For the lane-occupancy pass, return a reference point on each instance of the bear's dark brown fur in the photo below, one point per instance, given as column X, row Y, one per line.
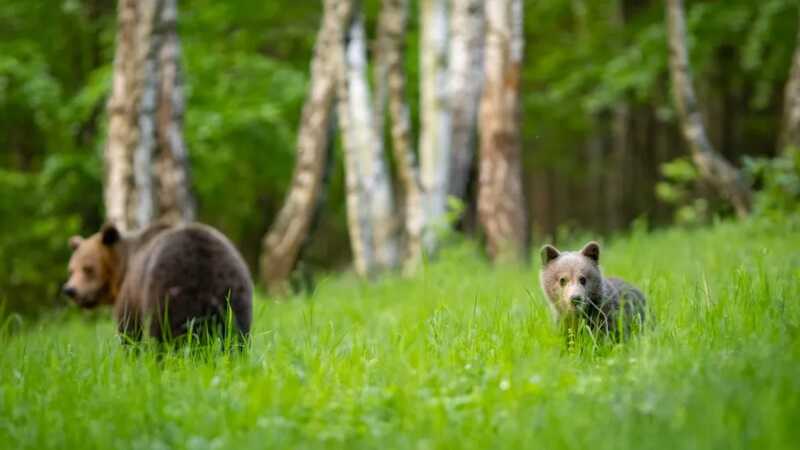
column 164, row 279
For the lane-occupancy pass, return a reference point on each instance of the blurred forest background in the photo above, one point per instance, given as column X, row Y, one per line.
column 600, row 136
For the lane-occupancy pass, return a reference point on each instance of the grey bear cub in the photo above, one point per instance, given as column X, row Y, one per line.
column 577, row 291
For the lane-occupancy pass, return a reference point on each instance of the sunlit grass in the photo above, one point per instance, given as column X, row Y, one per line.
column 463, row 356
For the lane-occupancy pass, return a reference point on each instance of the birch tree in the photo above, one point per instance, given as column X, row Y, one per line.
column 175, row 200
column 713, row 168
column 145, row 119
column 435, row 132
column 128, row 193
column 466, row 79
column 391, row 82
column 370, row 200
column 790, row 130
column 501, row 206
column 282, row 244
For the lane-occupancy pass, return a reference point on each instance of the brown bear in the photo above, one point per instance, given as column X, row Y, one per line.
column 578, row 291
column 166, row 278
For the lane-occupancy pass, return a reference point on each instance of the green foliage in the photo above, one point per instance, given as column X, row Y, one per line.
column 779, row 178
column 36, row 225
column 465, row 356
column 679, row 187
column 242, row 115
column 585, row 57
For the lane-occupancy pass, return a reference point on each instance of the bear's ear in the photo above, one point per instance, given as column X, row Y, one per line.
column 592, row 251
column 110, row 235
column 75, row 242
column 549, row 253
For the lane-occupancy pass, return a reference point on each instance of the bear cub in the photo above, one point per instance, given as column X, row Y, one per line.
column 166, row 279
column 577, row 291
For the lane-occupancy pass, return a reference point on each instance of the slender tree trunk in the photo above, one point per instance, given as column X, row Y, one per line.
column 466, row 70
column 282, row 244
column 175, row 200
column 589, row 199
column 615, row 177
column 501, row 206
column 713, row 168
column 370, row 200
column 790, row 131
column 392, row 26
column 435, row 133
column 383, row 217
column 129, row 195
column 591, row 194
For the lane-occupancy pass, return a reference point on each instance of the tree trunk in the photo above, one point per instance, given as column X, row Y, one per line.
column 392, row 26
column 615, row 176
column 147, row 44
column 713, row 168
column 435, row 132
column 466, row 64
column 790, row 130
column 370, row 200
column 501, row 206
column 128, row 193
column 175, row 200
column 145, row 120
column 282, row 244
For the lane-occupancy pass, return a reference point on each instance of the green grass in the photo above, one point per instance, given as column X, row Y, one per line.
column 463, row 356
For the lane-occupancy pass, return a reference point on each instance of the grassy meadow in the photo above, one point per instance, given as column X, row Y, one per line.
column 462, row 356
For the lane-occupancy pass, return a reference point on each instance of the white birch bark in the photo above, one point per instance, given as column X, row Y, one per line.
column 119, row 186
column 466, row 80
column 370, row 151
column 148, row 43
column 435, row 132
column 146, row 120
column 175, row 199
column 370, row 200
column 713, row 168
column 391, row 81
column 129, row 196
column 501, row 205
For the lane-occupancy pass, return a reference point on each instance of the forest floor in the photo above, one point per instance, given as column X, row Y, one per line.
column 463, row 356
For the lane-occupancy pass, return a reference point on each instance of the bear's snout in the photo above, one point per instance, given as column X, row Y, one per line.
column 69, row 291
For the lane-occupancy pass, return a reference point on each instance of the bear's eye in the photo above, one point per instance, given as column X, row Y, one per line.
column 88, row 271
column 562, row 281
column 582, row 280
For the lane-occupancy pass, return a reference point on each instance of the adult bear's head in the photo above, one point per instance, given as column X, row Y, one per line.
column 94, row 268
